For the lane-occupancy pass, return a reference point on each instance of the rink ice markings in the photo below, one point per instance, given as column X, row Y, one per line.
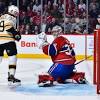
column 28, row 71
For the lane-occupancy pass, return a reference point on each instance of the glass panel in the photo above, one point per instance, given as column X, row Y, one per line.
column 30, row 16
column 93, row 12
column 74, row 16
column 52, row 14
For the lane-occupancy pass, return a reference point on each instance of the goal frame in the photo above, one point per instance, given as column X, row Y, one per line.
column 96, row 76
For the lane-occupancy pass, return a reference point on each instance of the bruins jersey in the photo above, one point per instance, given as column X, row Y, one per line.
column 6, row 22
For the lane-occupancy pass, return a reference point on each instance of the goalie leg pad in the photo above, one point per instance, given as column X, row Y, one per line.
column 78, row 77
column 44, row 80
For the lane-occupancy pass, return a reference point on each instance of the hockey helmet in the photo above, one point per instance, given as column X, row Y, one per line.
column 56, row 30
column 14, row 10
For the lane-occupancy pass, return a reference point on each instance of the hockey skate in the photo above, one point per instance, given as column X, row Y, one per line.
column 79, row 77
column 12, row 81
column 45, row 81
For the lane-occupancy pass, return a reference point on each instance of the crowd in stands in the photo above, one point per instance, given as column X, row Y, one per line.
column 74, row 16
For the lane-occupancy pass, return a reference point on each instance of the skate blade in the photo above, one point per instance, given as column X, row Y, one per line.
column 47, row 84
column 12, row 85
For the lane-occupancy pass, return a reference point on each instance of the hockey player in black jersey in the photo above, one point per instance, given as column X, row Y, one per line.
column 8, row 35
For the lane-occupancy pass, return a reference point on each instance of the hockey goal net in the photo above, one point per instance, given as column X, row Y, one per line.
column 97, row 59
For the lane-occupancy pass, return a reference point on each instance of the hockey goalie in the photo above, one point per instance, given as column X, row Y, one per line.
column 63, row 58
column 8, row 35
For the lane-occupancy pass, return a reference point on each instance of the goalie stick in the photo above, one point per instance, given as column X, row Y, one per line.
column 83, row 60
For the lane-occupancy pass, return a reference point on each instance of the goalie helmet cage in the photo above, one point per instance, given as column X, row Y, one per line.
column 96, row 72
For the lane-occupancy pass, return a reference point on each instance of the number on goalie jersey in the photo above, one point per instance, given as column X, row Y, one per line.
column 60, row 51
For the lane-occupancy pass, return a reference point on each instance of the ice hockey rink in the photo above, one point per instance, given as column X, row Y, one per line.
column 28, row 70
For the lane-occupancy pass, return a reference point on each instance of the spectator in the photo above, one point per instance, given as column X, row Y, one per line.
column 60, row 7
column 70, row 8
column 94, row 3
column 51, row 25
column 22, row 29
column 81, row 8
column 36, row 7
column 27, row 29
column 98, row 23
column 24, row 19
column 13, row 2
column 23, row 4
column 92, row 24
column 76, row 27
column 2, row 8
column 94, row 12
column 37, row 19
column 29, row 12
column 31, row 9
column 36, row 30
column 45, row 10
column 68, row 25
column 43, row 27
column 55, row 12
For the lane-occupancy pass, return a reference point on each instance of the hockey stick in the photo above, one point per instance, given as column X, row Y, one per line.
column 83, row 60
column 6, row 36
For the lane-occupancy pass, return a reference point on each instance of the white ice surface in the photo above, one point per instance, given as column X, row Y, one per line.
column 28, row 70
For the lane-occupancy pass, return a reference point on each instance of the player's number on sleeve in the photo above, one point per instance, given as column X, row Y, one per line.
column 1, row 26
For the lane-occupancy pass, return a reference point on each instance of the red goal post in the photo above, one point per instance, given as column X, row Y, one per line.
column 97, row 59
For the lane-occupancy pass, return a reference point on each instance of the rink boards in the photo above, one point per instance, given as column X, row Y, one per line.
column 82, row 44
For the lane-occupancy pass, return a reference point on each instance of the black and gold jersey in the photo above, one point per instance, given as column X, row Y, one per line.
column 6, row 22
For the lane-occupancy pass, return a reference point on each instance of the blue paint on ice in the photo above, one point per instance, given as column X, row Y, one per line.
column 60, row 89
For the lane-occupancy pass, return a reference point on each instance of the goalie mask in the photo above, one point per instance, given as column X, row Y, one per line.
column 14, row 10
column 56, row 31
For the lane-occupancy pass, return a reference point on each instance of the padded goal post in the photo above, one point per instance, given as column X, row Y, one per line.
column 97, row 59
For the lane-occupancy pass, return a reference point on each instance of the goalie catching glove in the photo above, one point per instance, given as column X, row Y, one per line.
column 41, row 40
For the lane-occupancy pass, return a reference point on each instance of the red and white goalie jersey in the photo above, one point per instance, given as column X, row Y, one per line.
column 60, row 51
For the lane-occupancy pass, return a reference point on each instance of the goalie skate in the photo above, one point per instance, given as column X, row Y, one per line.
column 12, row 81
column 79, row 77
column 45, row 81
